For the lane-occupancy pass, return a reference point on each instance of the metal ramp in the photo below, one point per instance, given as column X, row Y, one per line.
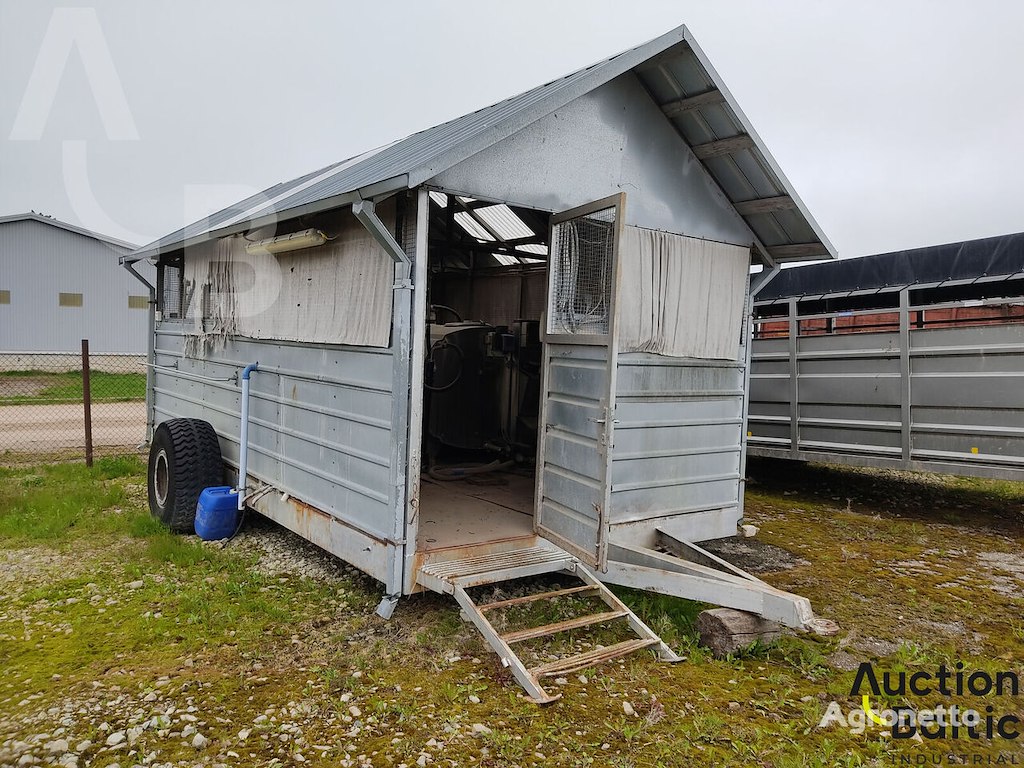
column 455, row 576
column 694, row 573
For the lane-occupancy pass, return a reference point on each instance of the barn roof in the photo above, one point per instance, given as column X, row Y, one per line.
column 972, row 261
column 42, row 219
column 673, row 70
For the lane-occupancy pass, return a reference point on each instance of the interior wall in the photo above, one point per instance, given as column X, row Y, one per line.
column 611, row 140
column 498, row 298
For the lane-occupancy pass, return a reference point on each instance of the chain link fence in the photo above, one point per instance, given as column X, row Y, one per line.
column 45, row 414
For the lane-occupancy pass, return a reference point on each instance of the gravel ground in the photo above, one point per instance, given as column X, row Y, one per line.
column 282, row 552
column 282, row 708
column 117, row 725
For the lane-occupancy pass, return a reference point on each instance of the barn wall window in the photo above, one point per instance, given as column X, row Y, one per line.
column 69, row 299
column 5, row 297
column 138, row 302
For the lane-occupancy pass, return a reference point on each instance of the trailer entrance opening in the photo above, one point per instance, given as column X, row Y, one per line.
column 486, row 298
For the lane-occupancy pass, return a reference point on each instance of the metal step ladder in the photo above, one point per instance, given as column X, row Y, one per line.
column 455, row 577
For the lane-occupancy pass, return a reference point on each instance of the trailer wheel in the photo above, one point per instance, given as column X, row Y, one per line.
column 183, row 460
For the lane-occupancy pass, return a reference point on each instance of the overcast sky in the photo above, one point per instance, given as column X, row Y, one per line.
column 898, row 123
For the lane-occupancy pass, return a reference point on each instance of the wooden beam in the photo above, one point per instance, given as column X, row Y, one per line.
column 764, row 205
column 690, row 103
column 723, row 147
column 798, row 251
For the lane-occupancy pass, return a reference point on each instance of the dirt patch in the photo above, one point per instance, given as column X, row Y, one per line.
column 753, row 555
column 24, row 386
column 22, row 569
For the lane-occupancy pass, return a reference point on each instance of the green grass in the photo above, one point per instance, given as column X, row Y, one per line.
column 49, row 502
column 94, row 525
column 120, row 601
column 67, row 387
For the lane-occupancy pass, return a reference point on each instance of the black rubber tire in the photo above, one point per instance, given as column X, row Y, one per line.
column 183, row 460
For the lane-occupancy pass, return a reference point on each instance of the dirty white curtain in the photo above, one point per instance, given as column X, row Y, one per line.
column 336, row 293
column 681, row 296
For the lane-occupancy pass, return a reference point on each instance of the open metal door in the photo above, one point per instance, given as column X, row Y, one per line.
column 574, row 442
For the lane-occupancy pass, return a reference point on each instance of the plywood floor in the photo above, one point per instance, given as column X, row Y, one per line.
column 460, row 512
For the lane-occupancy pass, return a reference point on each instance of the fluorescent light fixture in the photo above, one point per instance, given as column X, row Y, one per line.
column 307, row 238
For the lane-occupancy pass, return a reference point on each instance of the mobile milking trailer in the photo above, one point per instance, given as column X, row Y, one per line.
column 553, row 290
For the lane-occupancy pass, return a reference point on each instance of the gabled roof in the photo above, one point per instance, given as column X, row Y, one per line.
column 674, row 71
column 973, row 261
column 69, row 227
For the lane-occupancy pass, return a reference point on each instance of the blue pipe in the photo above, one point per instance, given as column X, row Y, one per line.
column 243, row 439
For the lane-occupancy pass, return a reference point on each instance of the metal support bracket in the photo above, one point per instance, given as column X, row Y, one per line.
column 364, row 210
column 710, row 580
column 386, row 606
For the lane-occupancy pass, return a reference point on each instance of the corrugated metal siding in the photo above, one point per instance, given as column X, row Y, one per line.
column 961, row 402
column 326, row 442
column 678, row 430
column 39, row 261
column 952, row 403
column 572, row 476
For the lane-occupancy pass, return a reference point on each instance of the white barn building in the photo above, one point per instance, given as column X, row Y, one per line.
column 60, row 283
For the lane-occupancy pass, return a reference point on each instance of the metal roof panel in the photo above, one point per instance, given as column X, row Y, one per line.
column 423, row 155
column 990, row 258
column 43, row 219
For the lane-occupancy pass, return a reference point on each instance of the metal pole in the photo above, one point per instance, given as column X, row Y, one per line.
column 243, row 437
column 756, row 284
column 87, row 402
column 794, row 380
column 905, row 380
column 150, row 349
column 151, row 367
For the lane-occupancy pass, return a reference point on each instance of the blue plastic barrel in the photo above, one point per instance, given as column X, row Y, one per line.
column 217, row 513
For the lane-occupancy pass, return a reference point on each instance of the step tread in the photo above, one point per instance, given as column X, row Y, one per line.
column 592, row 657
column 562, row 626
column 448, row 570
column 539, row 596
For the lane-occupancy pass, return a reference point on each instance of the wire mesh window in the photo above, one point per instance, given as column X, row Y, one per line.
column 170, row 284
column 582, row 251
column 69, row 299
